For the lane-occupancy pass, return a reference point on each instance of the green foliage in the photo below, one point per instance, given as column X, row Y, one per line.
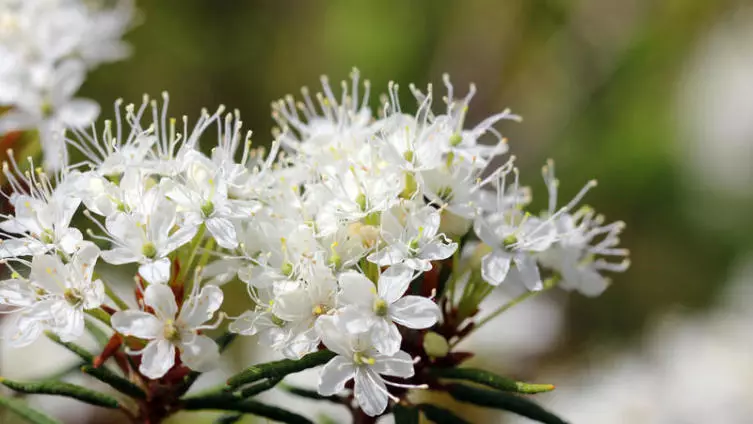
column 440, row 415
column 278, row 369
column 405, row 414
column 504, row 401
column 246, row 407
column 116, row 382
column 59, row 388
column 491, row 380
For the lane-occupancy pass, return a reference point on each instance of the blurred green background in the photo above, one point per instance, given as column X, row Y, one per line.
column 611, row 89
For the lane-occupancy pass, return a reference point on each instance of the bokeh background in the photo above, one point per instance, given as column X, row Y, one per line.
column 654, row 99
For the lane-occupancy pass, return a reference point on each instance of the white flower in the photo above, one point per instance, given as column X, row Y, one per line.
column 304, row 305
column 168, row 329
column 357, row 359
column 411, row 239
column 67, row 290
column 379, row 309
column 42, row 217
column 147, row 236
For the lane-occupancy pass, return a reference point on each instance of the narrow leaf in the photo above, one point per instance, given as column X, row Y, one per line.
column 115, row 381
column 229, row 419
column 257, row 388
column 504, row 401
column 101, row 373
column 97, row 332
column 246, row 407
column 59, row 388
column 26, row 412
column 440, row 415
column 76, row 349
column 405, row 414
column 491, row 380
column 279, row 369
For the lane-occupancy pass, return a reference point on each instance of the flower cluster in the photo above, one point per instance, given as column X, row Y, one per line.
column 46, row 49
column 339, row 232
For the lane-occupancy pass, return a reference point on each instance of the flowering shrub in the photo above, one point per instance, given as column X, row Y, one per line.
column 367, row 242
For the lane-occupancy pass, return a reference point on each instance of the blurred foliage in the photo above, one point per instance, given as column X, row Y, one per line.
column 596, row 81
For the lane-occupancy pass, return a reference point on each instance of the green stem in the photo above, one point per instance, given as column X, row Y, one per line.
column 548, row 284
column 193, row 248
column 100, row 315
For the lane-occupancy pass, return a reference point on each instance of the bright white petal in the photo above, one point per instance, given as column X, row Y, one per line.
column 157, row 359
column 49, row 272
column 356, row 289
column 394, row 281
column 120, row 256
column 495, row 266
column 415, row 312
column 161, row 298
column 157, row 272
column 386, row 337
column 137, row 324
column 78, row 113
column 334, row 375
column 370, row 392
column 334, row 336
column 198, row 310
column 398, row 365
column 223, row 232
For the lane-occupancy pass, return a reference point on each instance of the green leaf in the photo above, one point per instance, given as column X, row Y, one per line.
column 279, row 369
column 405, row 414
column 313, row 394
column 224, row 340
column 228, row 419
column 247, row 407
column 500, row 400
column 115, row 381
column 26, row 412
column 102, row 374
column 59, row 388
column 491, row 380
column 257, row 388
column 440, row 415
column 76, row 349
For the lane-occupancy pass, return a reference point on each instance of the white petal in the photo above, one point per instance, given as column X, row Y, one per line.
column 21, row 247
column 28, row 330
column 70, row 240
column 398, row 365
column 161, row 298
column 157, row 359
column 68, row 77
column 68, row 322
column 120, row 256
column 157, row 272
column 437, row 250
column 16, row 292
column 294, row 305
column 356, row 289
column 386, row 337
column 334, row 375
column 370, row 392
column 414, row 312
column 245, row 324
column 178, row 239
column 202, row 354
column 137, row 324
column 49, row 272
column 198, row 310
column 78, row 113
column 394, row 281
column 333, row 335
column 494, row 267
column 85, row 260
column 223, row 232
column 529, row 272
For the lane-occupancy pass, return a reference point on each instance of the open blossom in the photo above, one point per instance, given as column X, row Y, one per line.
column 376, row 310
column 358, row 360
column 168, row 329
column 55, row 295
column 412, row 239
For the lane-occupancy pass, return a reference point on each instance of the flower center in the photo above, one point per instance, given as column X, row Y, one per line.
column 509, row 241
column 149, row 250
column 47, row 236
column 380, row 307
column 73, row 296
column 362, row 359
column 207, row 208
column 320, row 310
column 455, row 139
column 171, row 331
